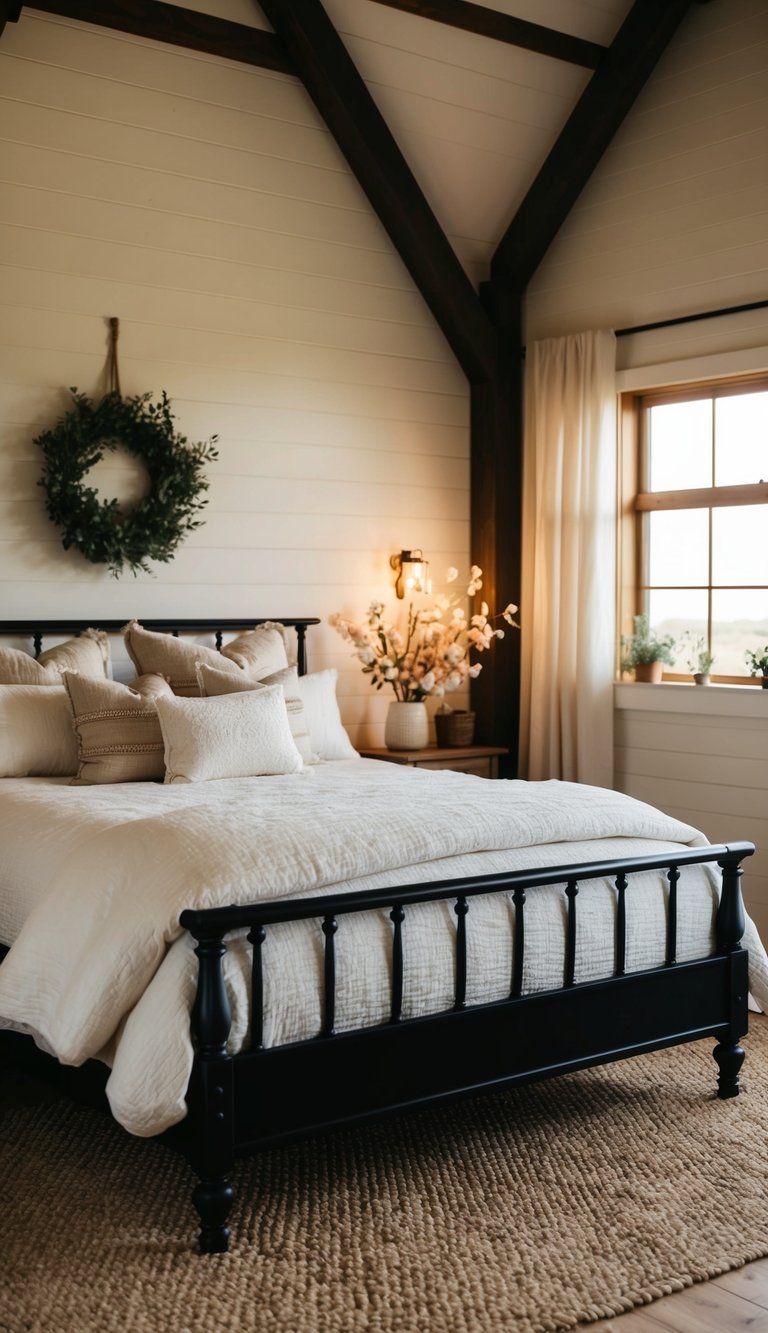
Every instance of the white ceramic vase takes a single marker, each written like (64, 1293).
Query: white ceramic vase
(407, 726)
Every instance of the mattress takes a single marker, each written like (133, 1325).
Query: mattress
(93, 880)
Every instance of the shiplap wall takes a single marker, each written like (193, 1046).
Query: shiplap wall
(206, 205)
(674, 221)
(703, 758)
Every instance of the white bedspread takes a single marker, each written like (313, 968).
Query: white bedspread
(92, 882)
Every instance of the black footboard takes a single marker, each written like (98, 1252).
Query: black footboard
(263, 1096)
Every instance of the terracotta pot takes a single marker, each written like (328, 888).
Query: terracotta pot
(649, 672)
(700, 678)
(765, 682)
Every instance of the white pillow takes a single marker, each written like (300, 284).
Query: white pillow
(326, 732)
(36, 733)
(214, 683)
(232, 736)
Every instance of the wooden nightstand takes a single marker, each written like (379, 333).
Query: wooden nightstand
(482, 760)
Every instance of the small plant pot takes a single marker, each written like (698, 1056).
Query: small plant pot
(700, 678)
(649, 673)
(765, 682)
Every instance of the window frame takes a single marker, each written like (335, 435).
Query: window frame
(635, 501)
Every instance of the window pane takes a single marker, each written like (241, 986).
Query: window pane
(675, 611)
(679, 547)
(739, 621)
(740, 545)
(680, 445)
(741, 439)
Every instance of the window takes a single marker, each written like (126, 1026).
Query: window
(698, 551)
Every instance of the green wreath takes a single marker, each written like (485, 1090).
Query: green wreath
(97, 527)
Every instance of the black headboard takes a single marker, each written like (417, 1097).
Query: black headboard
(36, 630)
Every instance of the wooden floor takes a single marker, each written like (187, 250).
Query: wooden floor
(735, 1301)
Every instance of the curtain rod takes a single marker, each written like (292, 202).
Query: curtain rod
(692, 319)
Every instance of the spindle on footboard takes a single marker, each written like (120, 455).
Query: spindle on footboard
(264, 1096)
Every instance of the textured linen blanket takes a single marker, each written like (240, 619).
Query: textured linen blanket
(93, 880)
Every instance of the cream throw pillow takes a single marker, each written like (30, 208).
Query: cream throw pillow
(326, 731)
(245, 734)
(88, 654)
(214, 683)
(36, 735)
(117, 729)
(254, 653)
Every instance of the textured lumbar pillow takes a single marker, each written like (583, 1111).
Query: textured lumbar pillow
(36, 735)
(88, 654)
(117, 729)
(243, 734)
(214, 683)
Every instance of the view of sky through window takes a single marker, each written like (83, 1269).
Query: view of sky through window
(707, 569)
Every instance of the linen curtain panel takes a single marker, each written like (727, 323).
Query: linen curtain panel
(569, 559)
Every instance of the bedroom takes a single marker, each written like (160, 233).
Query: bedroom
(205, 204)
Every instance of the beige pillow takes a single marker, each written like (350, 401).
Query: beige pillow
(117, 729)
(88, 654)
(165, 655)
(36, 735)
(259, 651)
(214, 683)
(244, 734)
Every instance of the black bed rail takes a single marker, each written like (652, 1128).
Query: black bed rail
(209, 926)
(37, 630)
(223, 919)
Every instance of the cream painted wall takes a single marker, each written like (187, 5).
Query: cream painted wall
(206, 205)
(674, 221)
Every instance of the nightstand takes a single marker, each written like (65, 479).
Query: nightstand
(482, 760)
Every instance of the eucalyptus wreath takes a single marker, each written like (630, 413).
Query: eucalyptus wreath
(97, 527)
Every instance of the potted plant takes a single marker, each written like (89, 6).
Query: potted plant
(757, 661)
(698, 659)
(645, 652)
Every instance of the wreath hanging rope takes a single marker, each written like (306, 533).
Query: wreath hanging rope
(97, 527)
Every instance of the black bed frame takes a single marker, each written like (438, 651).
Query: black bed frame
(238, 1104)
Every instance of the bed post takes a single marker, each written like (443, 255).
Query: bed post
(730, 925)
(211, 1096)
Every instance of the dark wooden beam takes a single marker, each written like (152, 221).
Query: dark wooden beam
(342, 98)
(496, 482)
(610, 93)
(179, 27)
(10, 11)
(504, 28)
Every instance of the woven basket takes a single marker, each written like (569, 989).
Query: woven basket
(457, 728)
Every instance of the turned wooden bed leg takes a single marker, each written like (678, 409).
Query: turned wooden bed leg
(730, 924)
(211, 1098)
(213, 1200)
(729, 1059)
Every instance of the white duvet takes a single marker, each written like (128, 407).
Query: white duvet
(93, 879)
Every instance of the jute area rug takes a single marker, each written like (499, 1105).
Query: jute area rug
(535, 1209)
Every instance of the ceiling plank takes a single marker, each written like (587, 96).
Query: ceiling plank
(343, 100)
(608, 97)
(504, 28)
(180, 27)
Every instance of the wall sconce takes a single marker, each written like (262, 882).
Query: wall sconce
(412, 572)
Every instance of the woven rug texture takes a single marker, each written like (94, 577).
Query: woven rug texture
(530, 1210)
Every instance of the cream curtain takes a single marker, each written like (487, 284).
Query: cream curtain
(569, 559)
